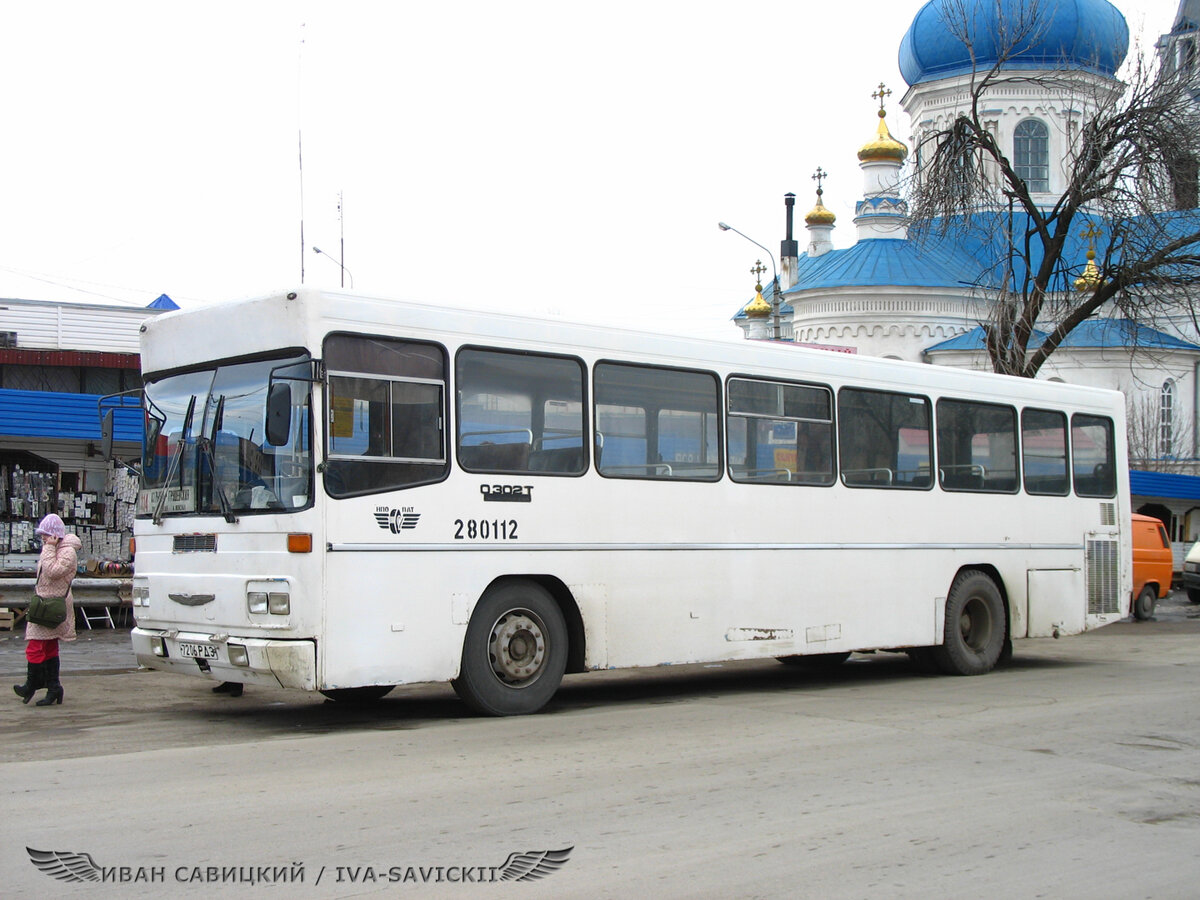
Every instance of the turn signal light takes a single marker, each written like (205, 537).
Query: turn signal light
(299, 543)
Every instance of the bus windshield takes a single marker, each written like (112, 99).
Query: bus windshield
(206, 448)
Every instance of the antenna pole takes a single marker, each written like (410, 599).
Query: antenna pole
(300, 139)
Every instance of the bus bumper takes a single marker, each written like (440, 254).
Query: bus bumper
(273, 663)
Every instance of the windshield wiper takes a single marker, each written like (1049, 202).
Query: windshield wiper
(205, 444)
(183, 437)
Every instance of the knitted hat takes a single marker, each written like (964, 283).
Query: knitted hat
(52, 526)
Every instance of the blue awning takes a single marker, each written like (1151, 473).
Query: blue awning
(1163, 484)
(47, 414)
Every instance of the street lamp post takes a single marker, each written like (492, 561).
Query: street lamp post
(345, 271)
(776, 331)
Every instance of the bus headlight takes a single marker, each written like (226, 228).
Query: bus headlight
(158, 646)
(238, 655)
(277, 603)
(280, 604)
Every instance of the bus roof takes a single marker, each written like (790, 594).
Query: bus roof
(301, 318)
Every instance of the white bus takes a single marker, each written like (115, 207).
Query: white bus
(343, 493)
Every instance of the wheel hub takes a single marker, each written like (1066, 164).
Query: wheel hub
(975, 624)
(518, 648)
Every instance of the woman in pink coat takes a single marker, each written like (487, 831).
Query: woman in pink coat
(56, 571)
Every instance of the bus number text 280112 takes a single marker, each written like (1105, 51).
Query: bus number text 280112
(485, 529)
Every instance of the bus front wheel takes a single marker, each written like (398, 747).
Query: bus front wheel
(974, 634)
(515, 651)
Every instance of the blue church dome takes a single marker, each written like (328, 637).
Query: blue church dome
(1079, 34)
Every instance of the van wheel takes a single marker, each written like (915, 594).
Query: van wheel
(974, 634)
(1143, 606)
(515, 651)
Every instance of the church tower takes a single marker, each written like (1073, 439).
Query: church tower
(1059, 59)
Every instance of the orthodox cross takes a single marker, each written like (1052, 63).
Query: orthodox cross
(758, 271)
(819, 176)
(881, 94)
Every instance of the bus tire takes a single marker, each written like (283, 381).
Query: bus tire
(515, 651)
(974, 635)
(1143, 606)
(815, 660)
(355, 695)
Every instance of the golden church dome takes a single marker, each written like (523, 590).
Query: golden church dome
(884, 146)
(758, 308)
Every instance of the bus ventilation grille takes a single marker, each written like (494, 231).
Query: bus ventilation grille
(1102, 577)
(195, 543)
(1108, 514)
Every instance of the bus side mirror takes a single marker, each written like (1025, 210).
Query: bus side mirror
(106, 435)
(279, 414)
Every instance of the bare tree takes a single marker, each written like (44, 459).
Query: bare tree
(1124, 174)
(1157, 443)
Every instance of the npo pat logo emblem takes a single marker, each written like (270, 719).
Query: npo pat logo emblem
(396, 520)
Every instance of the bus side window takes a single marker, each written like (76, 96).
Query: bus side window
(386, 413)
(977, 447)
(1044, 452)
(520, 413)
(780, 433)
(656, 422)
(884, 439)
(1093, 456)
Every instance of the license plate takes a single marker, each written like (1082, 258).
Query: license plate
(197, 651)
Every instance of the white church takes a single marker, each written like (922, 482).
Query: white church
(893, 295)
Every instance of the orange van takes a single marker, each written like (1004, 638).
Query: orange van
(1152, 564)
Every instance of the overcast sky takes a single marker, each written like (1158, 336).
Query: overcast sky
(561, 158)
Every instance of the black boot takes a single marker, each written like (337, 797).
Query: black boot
(34, 681)
(54, 690)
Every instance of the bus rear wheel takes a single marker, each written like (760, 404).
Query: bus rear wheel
(515, 651)
(975, 631)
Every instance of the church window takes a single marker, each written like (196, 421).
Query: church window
(1031, 154)
(1166, 418)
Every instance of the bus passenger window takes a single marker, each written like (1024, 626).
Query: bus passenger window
(1044, 452)
(386, 414)
(358, 420)
(520, 413)
(1093, 456)
(884, 439)
(780, 433)
(977, 447)
(657, 423)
